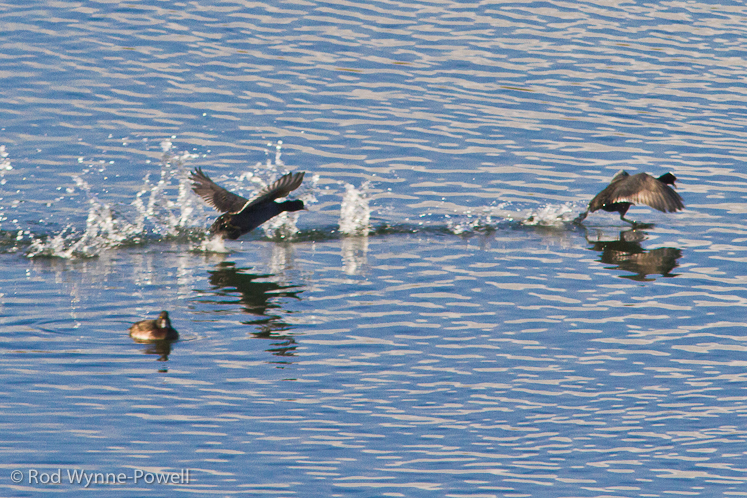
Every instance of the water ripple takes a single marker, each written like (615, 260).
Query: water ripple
(434, 322)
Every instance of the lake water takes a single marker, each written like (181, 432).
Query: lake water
(434, 324)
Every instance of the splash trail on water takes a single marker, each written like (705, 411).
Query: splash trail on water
(155, 214)
(166, 208)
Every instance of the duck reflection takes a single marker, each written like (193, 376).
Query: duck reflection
(160, 348)
(258, 296)
(627, 254)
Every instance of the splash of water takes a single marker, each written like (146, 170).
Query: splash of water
(211, 244)
(4, 166)
(102, 230)
(162, 215)
(106, 227)
(355, 212)
(550, 214)
(471, 221)
(488, 217)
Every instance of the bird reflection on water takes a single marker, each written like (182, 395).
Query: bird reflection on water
(627, 254)
(257, 296)
(160, 348)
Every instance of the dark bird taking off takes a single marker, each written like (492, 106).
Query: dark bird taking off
(240, 215)
(625, 190)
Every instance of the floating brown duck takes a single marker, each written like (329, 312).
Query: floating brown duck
(240, 215)
(159, 329)
(625, 190)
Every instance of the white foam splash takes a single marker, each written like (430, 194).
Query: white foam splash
(165, 206)
(355, 223)
(550, 214)
(458, 226)
(212, 244)
(161, 215)
(4, 166)
(102, 230)
(282, 226)
(355, 212)
(470, 221)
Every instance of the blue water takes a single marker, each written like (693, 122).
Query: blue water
(433, 324)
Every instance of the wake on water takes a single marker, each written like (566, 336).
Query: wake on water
(165, 208)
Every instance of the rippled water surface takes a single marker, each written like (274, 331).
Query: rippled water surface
(433, 324)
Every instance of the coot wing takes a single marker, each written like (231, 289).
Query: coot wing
(606, 196)
(645, 189)
(215, 195)
(280, 188)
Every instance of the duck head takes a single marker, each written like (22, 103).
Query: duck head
(163, 321)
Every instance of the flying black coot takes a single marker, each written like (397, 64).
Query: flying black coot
(625, 190)
(240, 215)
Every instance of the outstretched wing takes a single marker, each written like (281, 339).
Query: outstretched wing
(216, 196)
(620, 175)
(280, 188)
(606, 195)
(645, 189)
